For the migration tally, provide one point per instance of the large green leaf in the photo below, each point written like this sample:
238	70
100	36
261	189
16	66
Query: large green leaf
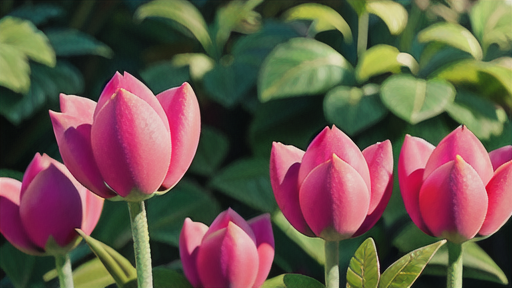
166	213
392	13
324	18
313	246
490	21
167	278
407	269
113	228
292	281
415	100
247	181
477	264
37	13
71	42
363	271
14	69
23	270
354	109
383	58
181	11
454	35
213	148
302	66
481	116
92	274
165	75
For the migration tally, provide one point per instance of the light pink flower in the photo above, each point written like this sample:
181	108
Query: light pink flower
332	190
49	203
130	143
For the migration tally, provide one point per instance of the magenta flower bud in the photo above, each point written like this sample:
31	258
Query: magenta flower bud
333	190
456	190
45	208
130	143
230	253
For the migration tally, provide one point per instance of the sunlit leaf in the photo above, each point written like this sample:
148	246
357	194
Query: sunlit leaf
454	35
363	271
213	148
392	13
14	69
292	281
198	63
70	42
490	21
302	66
324	18
407	269
354	109
92	274
415	100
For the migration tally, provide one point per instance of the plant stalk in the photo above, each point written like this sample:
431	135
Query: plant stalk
332	270
141	247
362	33
63	266
454	273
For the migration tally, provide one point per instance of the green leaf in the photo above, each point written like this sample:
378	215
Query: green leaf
92	274
477	264
198	63
165	75
363	271
358	5
302	66
324	18
71	42
212	150
407	269
481	116
14	69
292	281
313	246
167	278
354	109
119	267
454	35
166	213
37	13
114	228
415	100
247	181
392	13
383	58
181	11
490	21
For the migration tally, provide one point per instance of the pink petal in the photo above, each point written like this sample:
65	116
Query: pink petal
131	145
411	163
380	163
182	110
191	237
10	220
51	206
38	164
230	216
80	108
464	143
453	201
228	258
499	191
333	141
334	200
262	228
92	206
500	156
284	172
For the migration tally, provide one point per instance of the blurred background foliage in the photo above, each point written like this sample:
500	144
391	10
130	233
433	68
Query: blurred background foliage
263	71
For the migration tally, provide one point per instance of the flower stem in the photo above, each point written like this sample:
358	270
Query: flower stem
362	33
63	266
454	273
332	271
141	248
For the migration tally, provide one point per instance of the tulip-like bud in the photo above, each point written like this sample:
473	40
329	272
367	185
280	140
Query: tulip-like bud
39	215
456	190
333	190
130	143
230	253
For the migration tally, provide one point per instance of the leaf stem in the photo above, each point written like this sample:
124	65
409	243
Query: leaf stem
332	271
362	33
141	247
454	273
63	266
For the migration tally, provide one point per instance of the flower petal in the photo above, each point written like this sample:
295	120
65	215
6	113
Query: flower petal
499	192
191	237
453	201
262	228
182	110
230	216
92	206
334	200
500	156
284	172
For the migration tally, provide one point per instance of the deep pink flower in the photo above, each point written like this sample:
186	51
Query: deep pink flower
456	190
130	143
49	203
230	253
332	190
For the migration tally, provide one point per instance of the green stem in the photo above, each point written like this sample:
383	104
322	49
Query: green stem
63	266
362	33
141	244
454	273
332	270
